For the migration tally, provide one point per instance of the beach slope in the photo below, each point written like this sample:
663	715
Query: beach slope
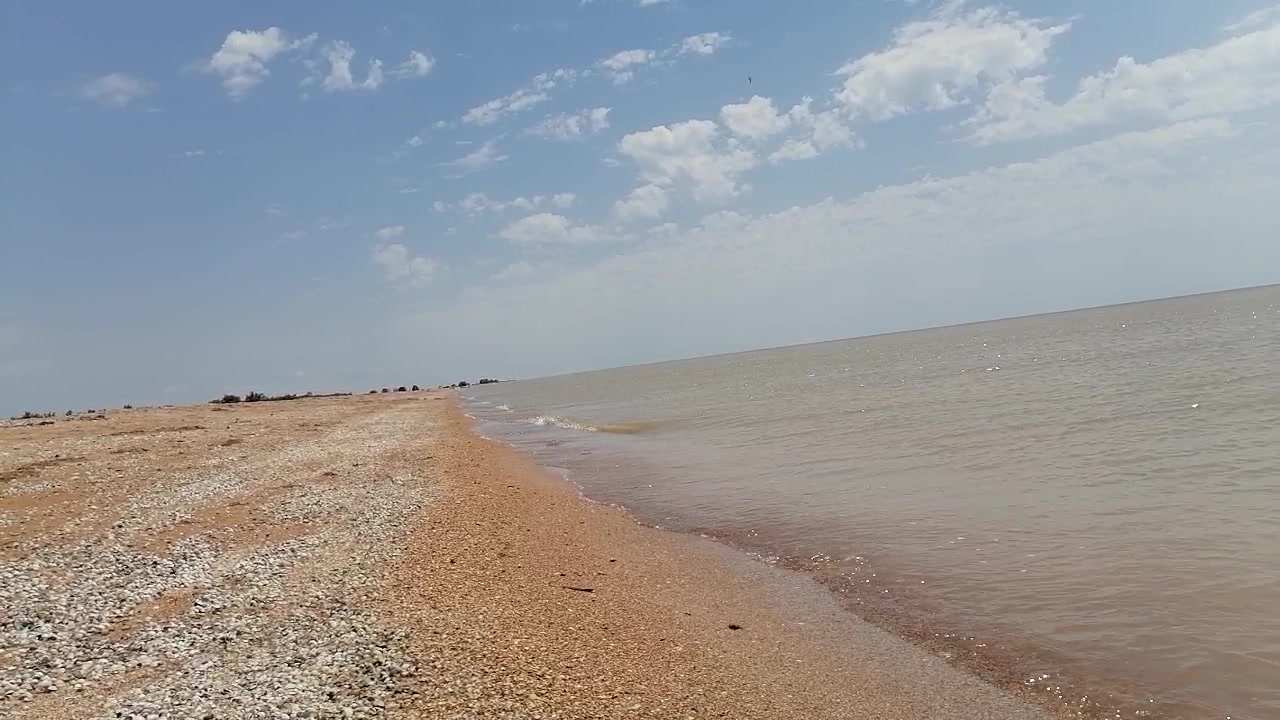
372	557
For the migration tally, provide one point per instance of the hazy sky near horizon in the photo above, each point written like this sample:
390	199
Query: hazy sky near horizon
245	195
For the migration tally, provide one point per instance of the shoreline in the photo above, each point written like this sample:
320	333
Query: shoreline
1040	674
744	639
372	557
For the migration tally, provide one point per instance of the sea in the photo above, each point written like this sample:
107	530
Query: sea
1083	504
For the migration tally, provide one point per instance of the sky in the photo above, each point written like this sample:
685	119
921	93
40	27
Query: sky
218	197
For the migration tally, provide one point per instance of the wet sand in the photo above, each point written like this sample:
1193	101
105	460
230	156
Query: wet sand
372	557
572	609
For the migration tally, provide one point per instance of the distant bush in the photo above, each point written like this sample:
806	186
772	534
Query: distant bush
385	390
401	389
128	407
255	397
373	392
69	413
463	384
227	400
416	388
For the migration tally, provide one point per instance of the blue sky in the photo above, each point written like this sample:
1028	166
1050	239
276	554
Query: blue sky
290	196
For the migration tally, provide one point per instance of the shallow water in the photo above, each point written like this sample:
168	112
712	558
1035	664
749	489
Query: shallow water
1084	502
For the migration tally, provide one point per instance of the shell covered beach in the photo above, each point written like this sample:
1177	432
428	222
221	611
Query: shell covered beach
368	557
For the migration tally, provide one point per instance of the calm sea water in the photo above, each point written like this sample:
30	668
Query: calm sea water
1086	503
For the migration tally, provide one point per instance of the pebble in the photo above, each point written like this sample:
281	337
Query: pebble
288	629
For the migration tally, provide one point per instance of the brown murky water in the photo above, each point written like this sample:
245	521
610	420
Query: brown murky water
1085	502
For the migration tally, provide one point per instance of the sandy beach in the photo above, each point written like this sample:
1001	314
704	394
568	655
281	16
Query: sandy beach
371	557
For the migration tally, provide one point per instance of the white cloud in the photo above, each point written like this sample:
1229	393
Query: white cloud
418	64
1238	74
535	92
569	126
1140	194
755	119
390	232
646	201
400	265
794	149
482	157
339	55
414	141
621	66
115	90
194	153
1264	17
549	228
243	58
704	43
934	63
691	152
477	203
520	270
818	132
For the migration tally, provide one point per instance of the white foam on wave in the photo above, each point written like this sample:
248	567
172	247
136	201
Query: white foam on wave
552	420
504	407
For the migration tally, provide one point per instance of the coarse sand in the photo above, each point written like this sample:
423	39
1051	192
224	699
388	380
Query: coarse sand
370	556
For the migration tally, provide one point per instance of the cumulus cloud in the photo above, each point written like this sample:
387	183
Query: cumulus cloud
621	66
692	153
242	60
645	202
756	119
398	264
478	203
389	233
570	126
339	55
794	149
1135	191
549	228
115	90
704	43
1238	74
933	64
418	64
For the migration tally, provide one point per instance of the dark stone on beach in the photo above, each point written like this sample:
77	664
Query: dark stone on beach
735	627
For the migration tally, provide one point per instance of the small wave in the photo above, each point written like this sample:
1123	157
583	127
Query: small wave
504	407
553	421
631	428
